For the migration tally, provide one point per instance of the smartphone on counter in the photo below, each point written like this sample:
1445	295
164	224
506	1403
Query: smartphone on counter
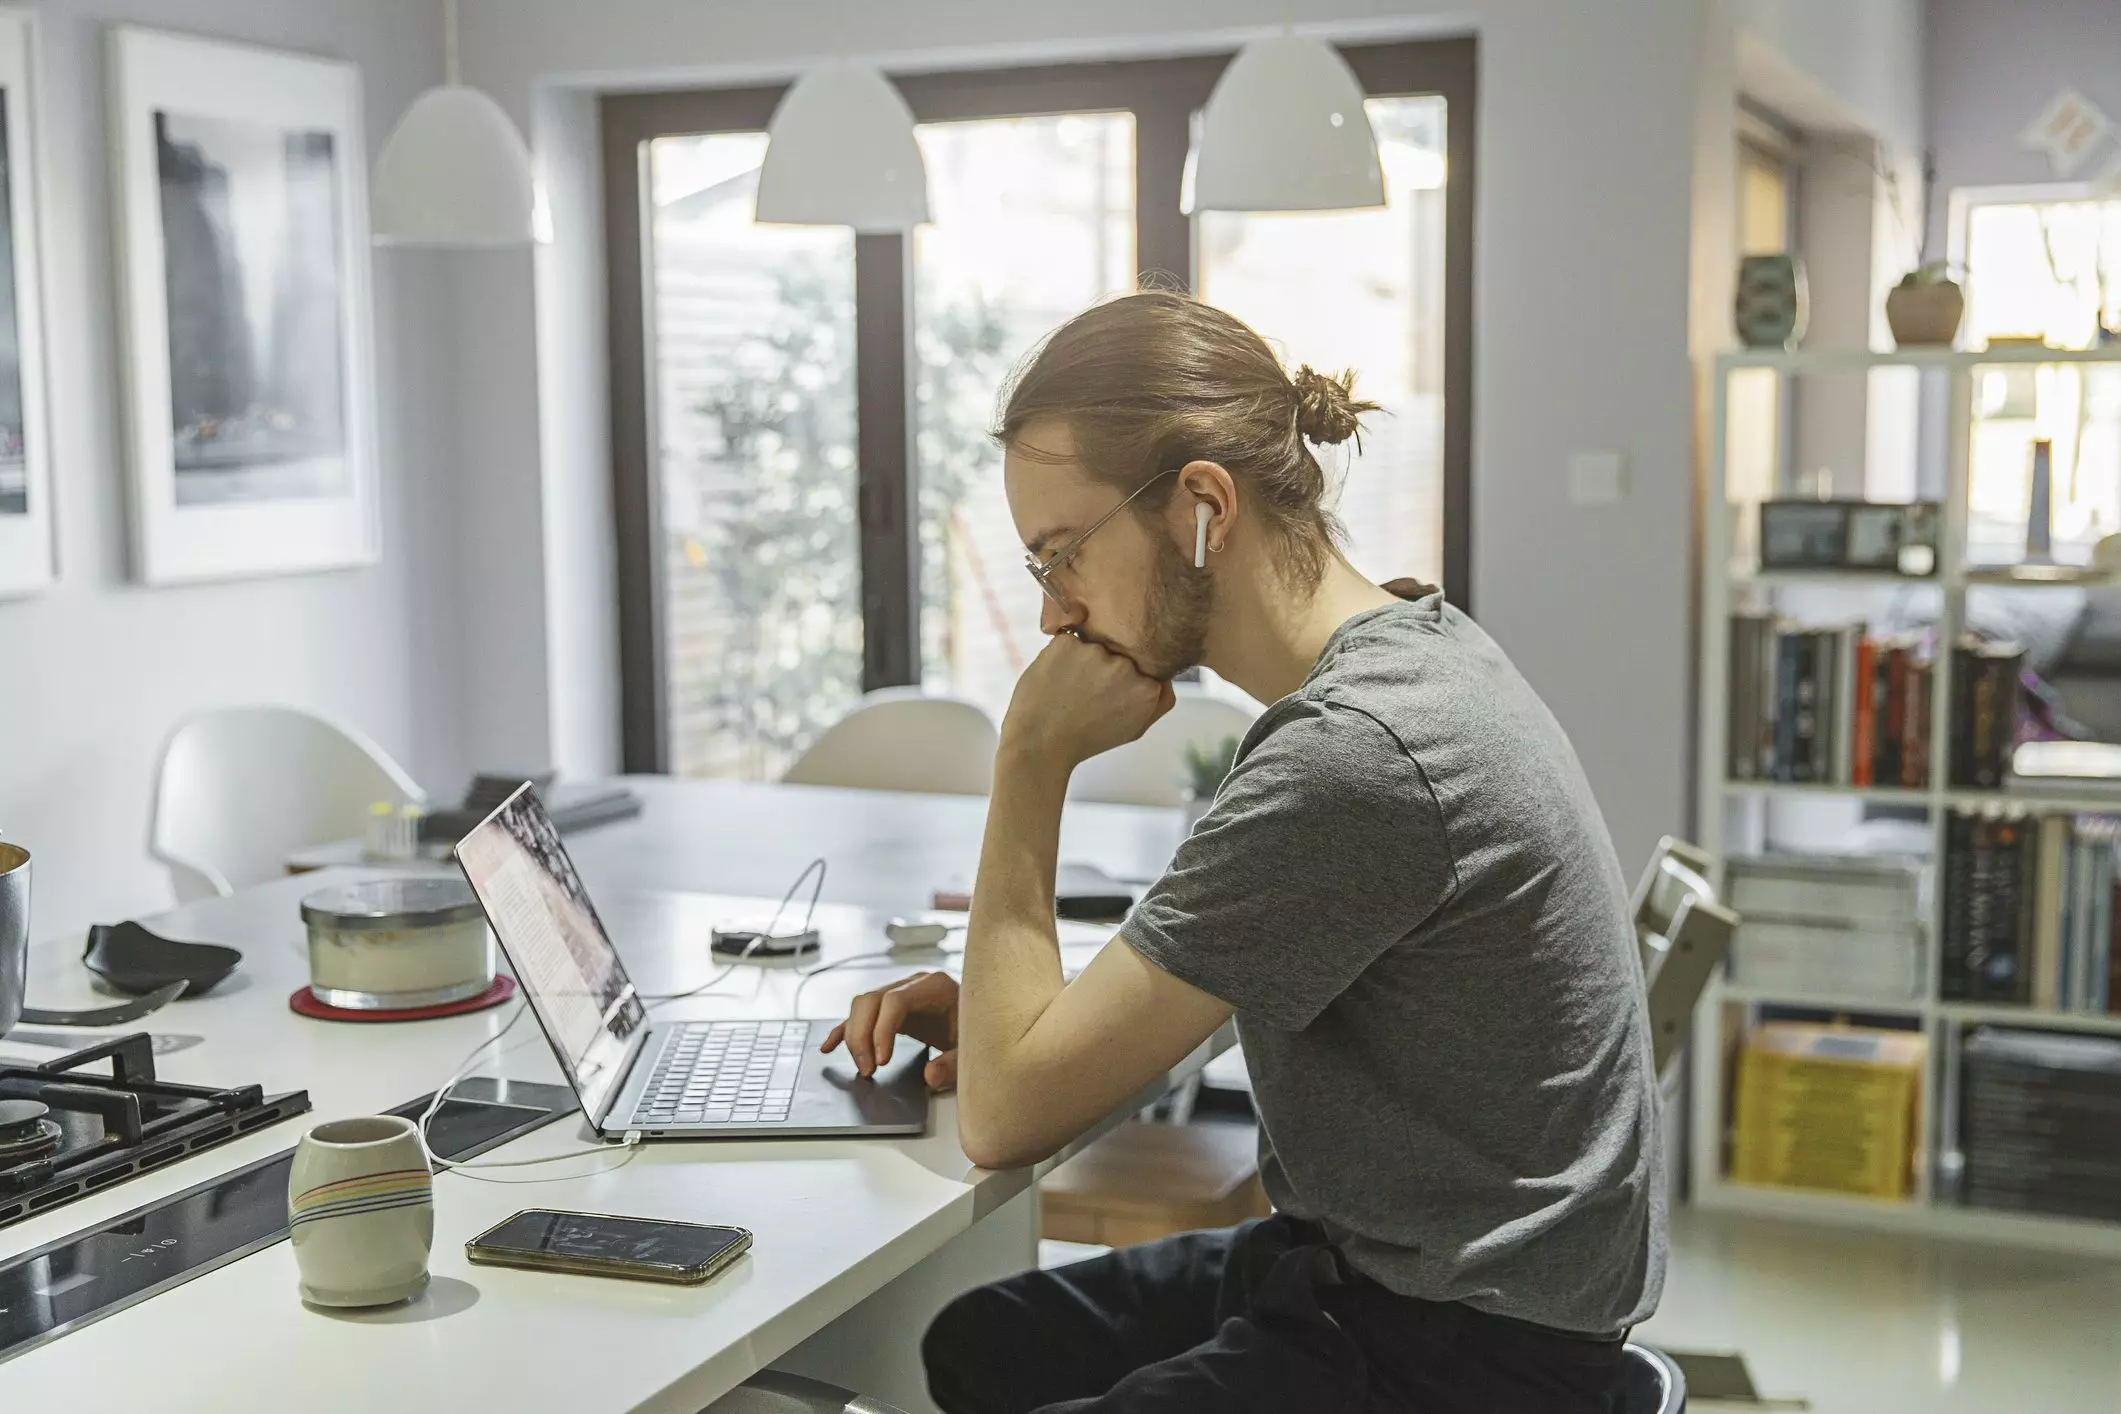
600	1245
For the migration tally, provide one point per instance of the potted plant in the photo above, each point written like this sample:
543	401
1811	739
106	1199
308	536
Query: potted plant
1926	306
1206	769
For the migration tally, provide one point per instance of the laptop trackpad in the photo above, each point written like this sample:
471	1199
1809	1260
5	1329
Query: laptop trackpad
896	1095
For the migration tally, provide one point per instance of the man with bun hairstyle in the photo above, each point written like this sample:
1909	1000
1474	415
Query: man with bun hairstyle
1404	893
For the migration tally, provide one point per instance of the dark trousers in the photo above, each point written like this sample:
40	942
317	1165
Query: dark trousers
1260	1317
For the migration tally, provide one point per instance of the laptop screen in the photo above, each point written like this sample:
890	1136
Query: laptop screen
561	954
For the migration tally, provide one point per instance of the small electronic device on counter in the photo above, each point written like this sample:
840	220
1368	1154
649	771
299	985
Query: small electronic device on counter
1082	893
599	1245
759	943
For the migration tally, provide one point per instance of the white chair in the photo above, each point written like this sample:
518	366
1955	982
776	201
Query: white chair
1152	771
898	738
240	787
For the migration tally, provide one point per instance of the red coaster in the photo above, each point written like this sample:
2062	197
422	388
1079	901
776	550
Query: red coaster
305	1003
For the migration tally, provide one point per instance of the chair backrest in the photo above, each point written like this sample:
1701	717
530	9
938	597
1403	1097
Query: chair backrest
1651	1382
900	739
1677	871
1700	938
1683	933
1152	771
240	787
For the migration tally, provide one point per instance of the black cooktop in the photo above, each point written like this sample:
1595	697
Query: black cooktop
66	1284
67	1130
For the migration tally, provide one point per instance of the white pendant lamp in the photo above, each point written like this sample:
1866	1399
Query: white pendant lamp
454	172
841	152
1285	130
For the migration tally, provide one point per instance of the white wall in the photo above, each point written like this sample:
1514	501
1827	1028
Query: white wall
1846	64
94	674
1586	203
1992	68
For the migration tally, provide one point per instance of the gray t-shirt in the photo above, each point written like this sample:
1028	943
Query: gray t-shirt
1407	893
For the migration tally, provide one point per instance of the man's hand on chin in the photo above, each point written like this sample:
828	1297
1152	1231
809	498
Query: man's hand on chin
1078	699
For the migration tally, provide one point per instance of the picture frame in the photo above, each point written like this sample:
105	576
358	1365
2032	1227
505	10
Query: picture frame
28	521
242	208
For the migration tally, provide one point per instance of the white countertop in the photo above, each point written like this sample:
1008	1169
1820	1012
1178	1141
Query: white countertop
834	1221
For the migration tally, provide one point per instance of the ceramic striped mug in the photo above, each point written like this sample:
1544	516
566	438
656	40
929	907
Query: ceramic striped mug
361	1208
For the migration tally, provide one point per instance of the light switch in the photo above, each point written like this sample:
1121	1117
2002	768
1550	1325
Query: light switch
1597	478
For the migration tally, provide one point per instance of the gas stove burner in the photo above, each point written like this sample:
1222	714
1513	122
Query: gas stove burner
25	1133
75	1125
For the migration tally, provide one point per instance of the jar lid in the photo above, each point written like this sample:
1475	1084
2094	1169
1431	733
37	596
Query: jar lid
375	905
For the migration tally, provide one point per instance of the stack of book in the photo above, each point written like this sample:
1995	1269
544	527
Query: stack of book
1984	711
1828	1107
1827	706
2029	910
1813	924
2041	1123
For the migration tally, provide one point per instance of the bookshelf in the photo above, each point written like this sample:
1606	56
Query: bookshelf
1730	808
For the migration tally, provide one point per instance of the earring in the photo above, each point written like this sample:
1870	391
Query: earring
1201	515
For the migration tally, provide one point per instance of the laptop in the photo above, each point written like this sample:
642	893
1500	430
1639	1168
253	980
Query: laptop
633	1076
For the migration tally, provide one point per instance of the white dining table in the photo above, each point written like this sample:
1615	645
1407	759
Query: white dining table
858	1242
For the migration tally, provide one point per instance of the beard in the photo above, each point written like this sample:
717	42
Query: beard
1181	601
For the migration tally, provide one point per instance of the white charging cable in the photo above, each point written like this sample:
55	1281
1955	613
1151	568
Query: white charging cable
441	1165
767	934
910	942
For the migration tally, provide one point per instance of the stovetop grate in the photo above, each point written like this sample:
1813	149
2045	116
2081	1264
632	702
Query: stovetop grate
122	1124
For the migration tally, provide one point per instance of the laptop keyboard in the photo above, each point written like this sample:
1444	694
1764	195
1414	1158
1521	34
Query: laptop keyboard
724	1072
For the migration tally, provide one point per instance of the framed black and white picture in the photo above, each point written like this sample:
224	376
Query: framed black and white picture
27	559
243	204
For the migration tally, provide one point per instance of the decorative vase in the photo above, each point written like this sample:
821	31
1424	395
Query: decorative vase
1772	303
1925	314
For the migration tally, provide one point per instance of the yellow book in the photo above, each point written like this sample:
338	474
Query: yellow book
1831	1108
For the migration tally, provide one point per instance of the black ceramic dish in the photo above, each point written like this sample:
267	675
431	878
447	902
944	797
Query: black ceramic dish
134	960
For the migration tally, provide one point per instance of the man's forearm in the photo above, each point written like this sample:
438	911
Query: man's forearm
1012	952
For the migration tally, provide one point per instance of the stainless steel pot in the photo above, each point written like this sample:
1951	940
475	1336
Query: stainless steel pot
14	932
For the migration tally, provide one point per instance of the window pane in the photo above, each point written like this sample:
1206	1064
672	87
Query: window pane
754	419
1033	219
1361	290
2045	270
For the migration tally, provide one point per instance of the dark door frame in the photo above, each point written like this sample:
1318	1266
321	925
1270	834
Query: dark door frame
1163	95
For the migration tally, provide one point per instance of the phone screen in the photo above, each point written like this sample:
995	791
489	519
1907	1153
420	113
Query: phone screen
592	1237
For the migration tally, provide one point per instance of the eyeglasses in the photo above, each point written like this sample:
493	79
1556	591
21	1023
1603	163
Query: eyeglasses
1062	557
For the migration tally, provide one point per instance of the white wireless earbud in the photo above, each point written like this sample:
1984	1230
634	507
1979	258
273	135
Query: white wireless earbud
1201	515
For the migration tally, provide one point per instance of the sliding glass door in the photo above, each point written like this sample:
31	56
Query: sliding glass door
809	502
1033	220
753	361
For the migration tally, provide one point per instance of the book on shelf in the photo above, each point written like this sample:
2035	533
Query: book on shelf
2091	769
1832	1108
1984	711
2030	910
1826	706
1828	925
2040	1122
